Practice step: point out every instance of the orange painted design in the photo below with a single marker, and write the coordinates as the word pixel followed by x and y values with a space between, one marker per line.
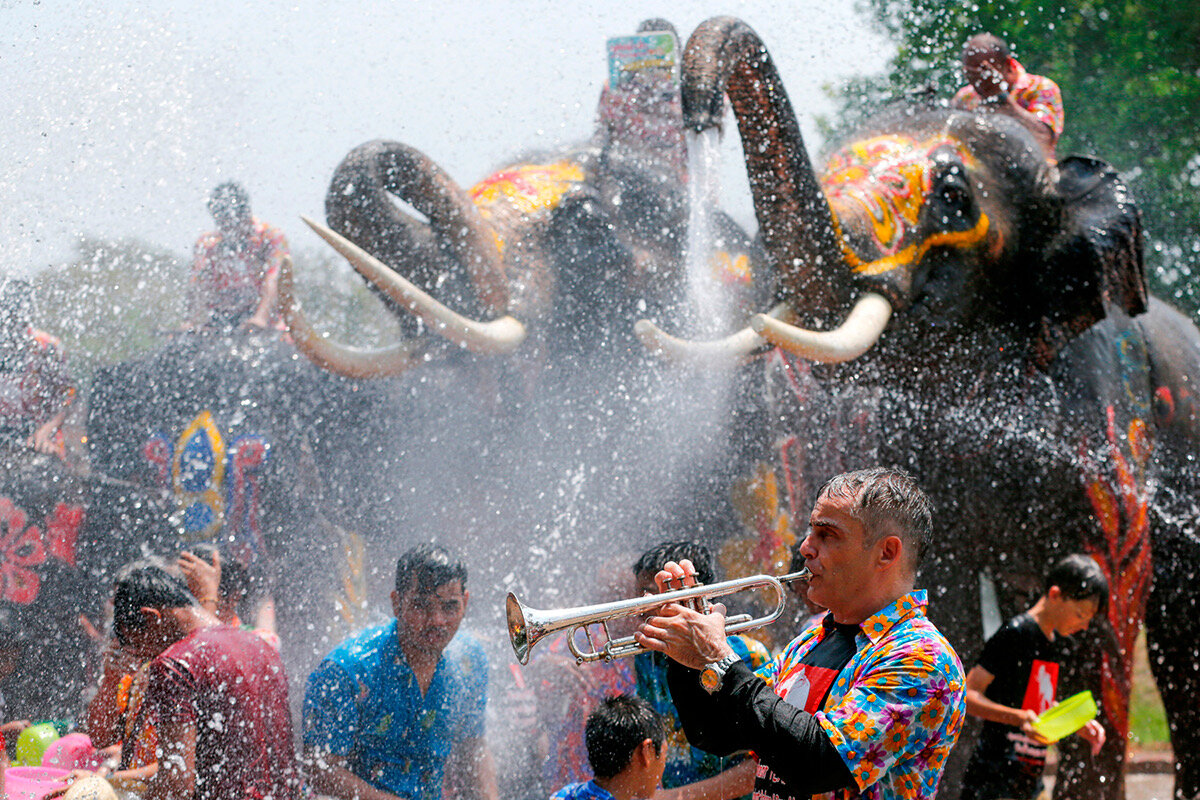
pixel 730 270
pixel 886 179
pixel 528 187
pixel 1116 485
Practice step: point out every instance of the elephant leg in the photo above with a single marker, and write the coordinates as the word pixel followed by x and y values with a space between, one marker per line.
pixel 1173 634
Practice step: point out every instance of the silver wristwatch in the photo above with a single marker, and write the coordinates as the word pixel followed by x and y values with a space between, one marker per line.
pixel 713 675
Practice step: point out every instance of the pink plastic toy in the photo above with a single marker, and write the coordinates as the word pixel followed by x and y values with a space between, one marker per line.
pixel 73 751
pixel 32 783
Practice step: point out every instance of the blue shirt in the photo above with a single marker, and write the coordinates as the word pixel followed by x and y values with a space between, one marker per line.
pixel 581 791
pixel 364 703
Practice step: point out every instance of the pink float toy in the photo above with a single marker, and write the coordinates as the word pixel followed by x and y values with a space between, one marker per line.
pixel 32 783
pixel 73 751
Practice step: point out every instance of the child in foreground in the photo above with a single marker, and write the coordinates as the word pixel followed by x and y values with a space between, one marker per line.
pixel 1016 679
pixel 626 749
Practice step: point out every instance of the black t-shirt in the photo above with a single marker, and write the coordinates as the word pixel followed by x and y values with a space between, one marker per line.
pixel 1006 762
pixel 809 689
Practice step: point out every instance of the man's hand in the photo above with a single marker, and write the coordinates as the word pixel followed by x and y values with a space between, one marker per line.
pixel 203 578
pixel 1025 718
pixel 687 636
pixel 1093 734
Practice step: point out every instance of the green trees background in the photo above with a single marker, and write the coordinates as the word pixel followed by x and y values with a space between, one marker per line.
pixel 1130 77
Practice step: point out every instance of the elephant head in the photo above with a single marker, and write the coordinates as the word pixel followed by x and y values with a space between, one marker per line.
pixel 927 219
pixel 570 243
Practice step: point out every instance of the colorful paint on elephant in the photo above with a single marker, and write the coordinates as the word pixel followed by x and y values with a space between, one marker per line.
pixel 24 548
pixel 1117 486
pixel 524 189
pixel 887 179
pixel 216 486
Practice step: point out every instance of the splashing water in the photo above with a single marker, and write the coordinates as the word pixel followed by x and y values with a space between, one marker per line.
pixel 707 304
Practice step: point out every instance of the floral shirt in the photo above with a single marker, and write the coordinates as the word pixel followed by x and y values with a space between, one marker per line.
pixel 1036 94
pixel 896 708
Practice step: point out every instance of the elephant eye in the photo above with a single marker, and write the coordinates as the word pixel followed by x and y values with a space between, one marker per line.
pixel 953 194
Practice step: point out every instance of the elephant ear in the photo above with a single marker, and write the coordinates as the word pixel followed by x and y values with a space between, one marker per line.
pixel 1094 264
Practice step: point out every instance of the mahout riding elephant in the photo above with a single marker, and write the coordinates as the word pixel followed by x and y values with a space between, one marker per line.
pixel 984 322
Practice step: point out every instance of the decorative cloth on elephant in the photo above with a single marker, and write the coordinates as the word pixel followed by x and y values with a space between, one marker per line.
pixel 364 703
pixel 228 276
pixel 1036 94
pixel 35 383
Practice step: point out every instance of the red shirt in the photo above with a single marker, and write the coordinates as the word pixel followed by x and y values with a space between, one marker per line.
pixel 228 275
pixel 230 684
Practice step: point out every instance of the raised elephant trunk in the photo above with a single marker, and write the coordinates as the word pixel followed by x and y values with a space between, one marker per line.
pixel 725 57
pixel 378 239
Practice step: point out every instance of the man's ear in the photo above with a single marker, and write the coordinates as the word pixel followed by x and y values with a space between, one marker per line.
pixel 1054 593
pixel 647 753
pixel 395 603
pixel 891 550
pixel 466 597
pixel 150 615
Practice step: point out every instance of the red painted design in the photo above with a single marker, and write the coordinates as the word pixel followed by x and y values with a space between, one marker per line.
pixel 247 458
pixel 159 453
pixel 62 532
pixel 1115 480
pixel 20 549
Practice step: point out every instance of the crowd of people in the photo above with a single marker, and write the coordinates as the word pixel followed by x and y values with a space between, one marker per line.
pixel 866 701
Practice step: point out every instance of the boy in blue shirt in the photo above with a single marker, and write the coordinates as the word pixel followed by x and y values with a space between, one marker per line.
pixel 627 751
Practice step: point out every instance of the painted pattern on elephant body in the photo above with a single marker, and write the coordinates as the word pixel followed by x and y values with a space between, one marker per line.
pixel 887 179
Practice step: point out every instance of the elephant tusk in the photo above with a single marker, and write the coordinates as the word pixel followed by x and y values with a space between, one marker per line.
pixel 736 347
pixel 857 334
pixel 349 362
pixel 498 337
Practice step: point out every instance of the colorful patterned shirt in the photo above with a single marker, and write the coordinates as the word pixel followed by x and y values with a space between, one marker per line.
pixel 895 710
pixel 34 382
pixel 228 277
pixel 1036 94
pixel 582 791
pixel 363 702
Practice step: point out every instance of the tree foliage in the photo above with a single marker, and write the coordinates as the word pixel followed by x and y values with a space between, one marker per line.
pixel 1130 76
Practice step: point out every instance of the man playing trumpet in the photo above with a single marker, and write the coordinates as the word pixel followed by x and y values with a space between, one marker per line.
pixel 869 701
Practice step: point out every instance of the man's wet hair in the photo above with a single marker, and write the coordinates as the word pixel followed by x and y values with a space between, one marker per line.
pixel 701 557
pixel 235 578
pixel 229 198
pixel 430 566
pixel 887 501
pixel 1079 577
pixel 657 25
pixel 988 44
pixel 616 729
pixel 145 583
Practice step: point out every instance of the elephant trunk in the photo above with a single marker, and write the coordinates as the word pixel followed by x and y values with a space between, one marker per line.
pixel 725 57
pixel 358 205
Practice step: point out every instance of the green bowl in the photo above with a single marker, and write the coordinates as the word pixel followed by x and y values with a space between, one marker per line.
pixel 1063 719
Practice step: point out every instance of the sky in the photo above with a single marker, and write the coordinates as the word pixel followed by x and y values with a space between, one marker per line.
pixel 120 118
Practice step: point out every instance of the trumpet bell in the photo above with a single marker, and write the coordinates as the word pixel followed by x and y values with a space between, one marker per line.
pixel 518 631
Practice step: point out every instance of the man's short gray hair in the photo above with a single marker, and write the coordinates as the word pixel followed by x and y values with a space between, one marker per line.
pixel 886 501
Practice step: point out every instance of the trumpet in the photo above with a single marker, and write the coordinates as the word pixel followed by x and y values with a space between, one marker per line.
pixel 528 626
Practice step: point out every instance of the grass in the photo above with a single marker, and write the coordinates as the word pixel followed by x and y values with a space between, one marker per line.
pixel 1147 720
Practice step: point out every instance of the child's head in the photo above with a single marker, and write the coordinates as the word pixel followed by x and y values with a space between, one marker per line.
pixel 626 735
pixel 1076 590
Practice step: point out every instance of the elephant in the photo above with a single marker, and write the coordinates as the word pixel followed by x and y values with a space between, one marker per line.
pixel 952 303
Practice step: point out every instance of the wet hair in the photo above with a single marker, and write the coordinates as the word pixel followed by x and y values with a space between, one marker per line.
pixel 235 578
pixel 987 44
pixel 430 566
pixel 886 500
pixel 229 198
pixel 145 584
pixel 701 557
pixel 1079 577
pixel 616 729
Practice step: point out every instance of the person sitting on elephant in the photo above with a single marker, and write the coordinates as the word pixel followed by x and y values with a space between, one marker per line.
pixel 235 271
pixel 1016 678
pixel 36 389
pixel 997 82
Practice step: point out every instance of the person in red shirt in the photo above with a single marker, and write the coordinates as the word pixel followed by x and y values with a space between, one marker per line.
pixel 218 695
pixel 997 82
pixel 235 272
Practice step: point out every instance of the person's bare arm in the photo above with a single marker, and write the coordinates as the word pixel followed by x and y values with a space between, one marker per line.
pixel 733 782
pixel 268 297
pixel 331 776
pixel 176 775
pixel 1040 130
pixel 472 772
pixel 978 680
pixel 44 438
pixel 103 716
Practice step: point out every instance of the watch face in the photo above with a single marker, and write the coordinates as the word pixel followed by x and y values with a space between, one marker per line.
pixel 710 680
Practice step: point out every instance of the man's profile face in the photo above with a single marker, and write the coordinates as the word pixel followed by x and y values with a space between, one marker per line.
pixel 836 552
pixel 427 621
pixel 987 72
